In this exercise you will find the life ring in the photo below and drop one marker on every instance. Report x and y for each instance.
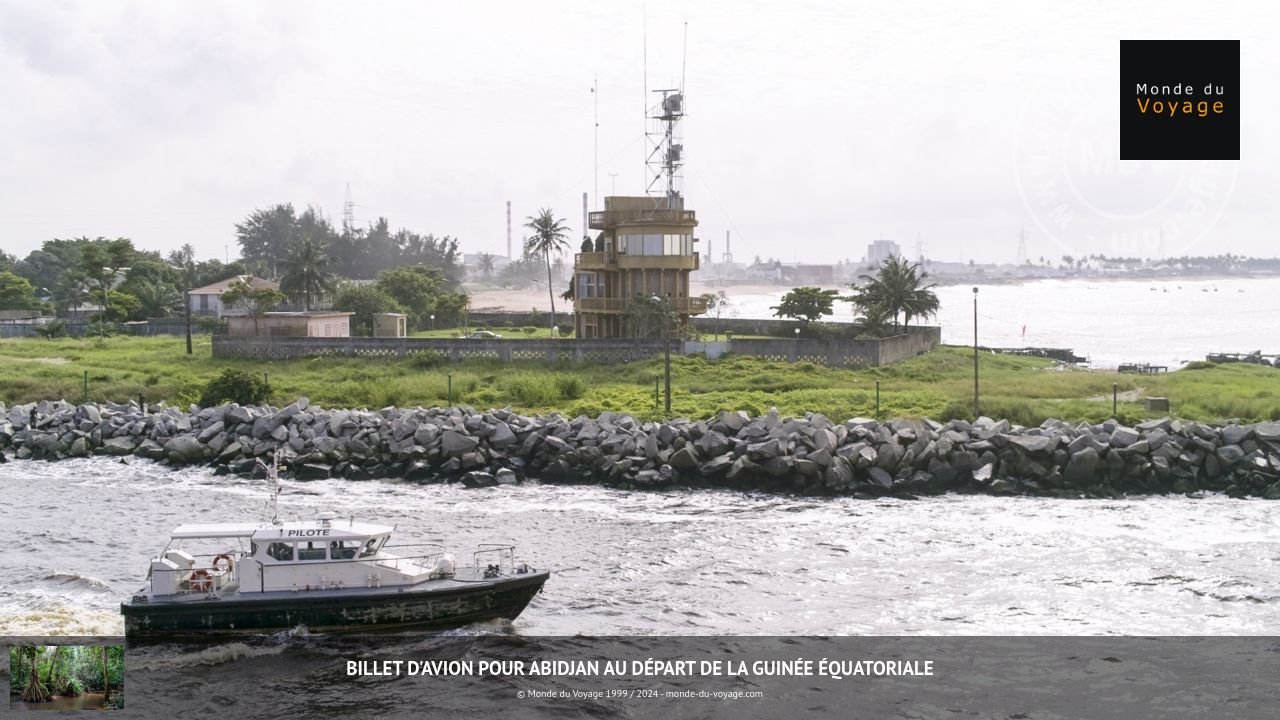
(201, 581)
(230, 562)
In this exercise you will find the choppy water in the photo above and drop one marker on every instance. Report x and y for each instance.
(1163, 322)
(78, 534)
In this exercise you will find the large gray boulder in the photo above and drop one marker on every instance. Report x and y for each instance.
(1082, 467)
(184, 448)
(454, 443)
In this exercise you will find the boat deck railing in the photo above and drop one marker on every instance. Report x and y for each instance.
(490, 559)
(498, 552)
(221, 580)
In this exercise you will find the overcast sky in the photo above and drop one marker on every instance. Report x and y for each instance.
(813, 127)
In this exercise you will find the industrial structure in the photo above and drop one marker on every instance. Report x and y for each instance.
(642, 257)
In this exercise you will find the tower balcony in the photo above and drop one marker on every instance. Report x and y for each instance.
(615, 261)
(604, 219)
(680, 305)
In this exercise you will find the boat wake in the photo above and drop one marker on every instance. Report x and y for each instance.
(59, 619)
(76, 581)
(168, 657)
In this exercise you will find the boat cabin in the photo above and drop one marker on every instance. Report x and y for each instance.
(325, 553)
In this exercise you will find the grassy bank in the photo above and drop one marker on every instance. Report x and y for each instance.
(937, 385)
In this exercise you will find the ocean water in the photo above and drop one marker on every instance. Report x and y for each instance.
(1162, 322)
(692, 562)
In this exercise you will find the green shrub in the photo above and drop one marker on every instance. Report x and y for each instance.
(211, 325)
(101, 328)
(531, 389)
(1200, 365)
(570, 387)
(236, 386)
(50, 330)
(528, 330)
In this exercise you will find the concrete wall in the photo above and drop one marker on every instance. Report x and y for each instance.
(836, 353)
(915, 341)
(280, 348)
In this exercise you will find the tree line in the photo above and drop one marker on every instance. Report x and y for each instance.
(898, 290)
(109, 274)
(365, 270)
(268, 236)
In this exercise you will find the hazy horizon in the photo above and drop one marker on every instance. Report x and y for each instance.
(813, 128)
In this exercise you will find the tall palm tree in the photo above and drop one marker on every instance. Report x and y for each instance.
(186, 255)
(306, 273)
(159, 300)
(895, 290)
(549, 235)
(486, 264)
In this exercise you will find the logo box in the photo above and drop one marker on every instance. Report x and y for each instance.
(1179, 99)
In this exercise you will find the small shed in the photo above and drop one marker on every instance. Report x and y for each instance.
(292, 324)
(393, 325)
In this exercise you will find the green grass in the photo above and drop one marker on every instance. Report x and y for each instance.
(937, 385)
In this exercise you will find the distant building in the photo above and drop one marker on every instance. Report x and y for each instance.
(292, 324)
(809, 274)
(207, 300)
(880, 250)
(769, 270)
(647, 251)
(390, 325)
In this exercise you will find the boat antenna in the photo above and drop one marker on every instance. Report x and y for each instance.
(274, 474)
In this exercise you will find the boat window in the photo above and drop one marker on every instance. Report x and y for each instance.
(280, 551)
(371, 547)
(343, 549)
(253, 548)
(311, 552)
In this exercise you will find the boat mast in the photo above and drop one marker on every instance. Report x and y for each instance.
(274, 474)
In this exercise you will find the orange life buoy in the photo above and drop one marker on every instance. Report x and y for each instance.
(220, 558)
(201, 581)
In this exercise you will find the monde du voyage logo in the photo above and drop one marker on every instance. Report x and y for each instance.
(1179, 99)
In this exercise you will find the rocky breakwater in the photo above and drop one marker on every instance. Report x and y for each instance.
(809, 454)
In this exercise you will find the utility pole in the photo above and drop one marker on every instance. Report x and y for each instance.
(595, 96)
(187, 307)
(664, 304)
(509, 257)
(976, 412)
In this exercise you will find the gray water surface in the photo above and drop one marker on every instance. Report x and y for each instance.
(78, 535)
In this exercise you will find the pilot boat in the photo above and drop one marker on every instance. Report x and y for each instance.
(328, 574)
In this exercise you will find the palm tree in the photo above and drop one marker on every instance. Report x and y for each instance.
(486, 264)
(186, 255)
(306, 272)
(549, 235)
(159, 300)
(896, 289)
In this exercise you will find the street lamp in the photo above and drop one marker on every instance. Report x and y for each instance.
(976, 413)
(796, 350)
(433, 323)
(666, 353)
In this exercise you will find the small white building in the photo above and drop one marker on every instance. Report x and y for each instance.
(292, 324)
(207, 300)
(390, 325)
